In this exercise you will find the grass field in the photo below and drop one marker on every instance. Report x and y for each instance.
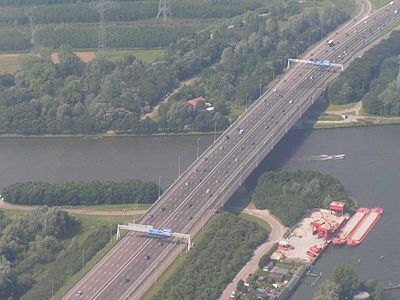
(147, 55)
(259, 221)
(11, 62)
(336, 107)
(379, 3)
(109, 207)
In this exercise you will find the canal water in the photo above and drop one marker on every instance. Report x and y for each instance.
(370, 173)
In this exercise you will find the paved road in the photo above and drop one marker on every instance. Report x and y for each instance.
(276, 234)
(125, 273)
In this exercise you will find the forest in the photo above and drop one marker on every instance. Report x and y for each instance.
(38, 251)
(373, 78)
(73, 97)
(288, 195)
(226, 245)
(81, 193)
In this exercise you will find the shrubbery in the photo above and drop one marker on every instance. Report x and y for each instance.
(26, 244)
(356, 80)
(81, 193)
(227, 244)
(289, 194)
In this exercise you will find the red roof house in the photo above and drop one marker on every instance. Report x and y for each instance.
(195, 101)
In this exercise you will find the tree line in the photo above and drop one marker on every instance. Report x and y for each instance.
(13, 17)
(27, 243)
(81, 193)
(227, 244)
(139, 10)
(359, 78)
(118, 35)
(288, 195)
(13, 40)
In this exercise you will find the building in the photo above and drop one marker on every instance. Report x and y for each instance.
(337, 207)
(193, 102)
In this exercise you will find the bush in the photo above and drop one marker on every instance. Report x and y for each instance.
(289, 194)
(81, 193)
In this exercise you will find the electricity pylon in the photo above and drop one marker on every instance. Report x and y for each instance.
(164, 9)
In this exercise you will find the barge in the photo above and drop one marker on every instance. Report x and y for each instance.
(350, 226)
(364, 227)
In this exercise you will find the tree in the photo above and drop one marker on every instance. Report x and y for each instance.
(240, 285)
(329, 290)
(345, 276)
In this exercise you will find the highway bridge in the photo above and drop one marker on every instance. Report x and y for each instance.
(136, 261)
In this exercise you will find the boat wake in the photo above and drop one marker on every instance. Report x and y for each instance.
(328, 157)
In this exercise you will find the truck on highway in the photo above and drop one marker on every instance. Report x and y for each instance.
(331, 43)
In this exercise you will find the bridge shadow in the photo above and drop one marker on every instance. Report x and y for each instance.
(276, 159)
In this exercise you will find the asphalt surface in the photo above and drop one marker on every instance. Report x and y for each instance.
(125, 273)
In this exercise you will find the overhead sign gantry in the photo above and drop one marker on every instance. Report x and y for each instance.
(321, 63)
(163, 232)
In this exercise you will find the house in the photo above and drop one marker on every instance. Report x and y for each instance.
(193, 102)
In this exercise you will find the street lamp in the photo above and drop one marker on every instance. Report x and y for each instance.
(179, 166)
(198, 144)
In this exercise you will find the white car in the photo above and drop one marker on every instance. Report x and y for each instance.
(208, 191)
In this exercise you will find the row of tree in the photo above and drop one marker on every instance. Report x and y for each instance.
(13, 17)
(355, 81)
(118, 35)
(227, 244)
(343, 284)
(81, 193)
(26, 244)
(139, 10)
(288, 195)
(14, 40)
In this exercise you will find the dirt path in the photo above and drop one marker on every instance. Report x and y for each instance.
(182, 84)
(76, 211)
(276, 234)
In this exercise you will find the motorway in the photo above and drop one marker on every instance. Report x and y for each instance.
(136, 261)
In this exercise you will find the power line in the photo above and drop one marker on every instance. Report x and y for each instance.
(164, 9)
(101, 6)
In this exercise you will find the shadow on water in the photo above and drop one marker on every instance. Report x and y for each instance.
(275, 160)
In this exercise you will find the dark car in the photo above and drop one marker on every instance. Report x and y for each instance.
(147, 257)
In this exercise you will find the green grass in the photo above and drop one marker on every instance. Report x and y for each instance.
(12, 213)
(336, 107)
(88, 224)
(328, 117)
(257, 220)
(108, 207)
(379, 3)
(147, 55)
